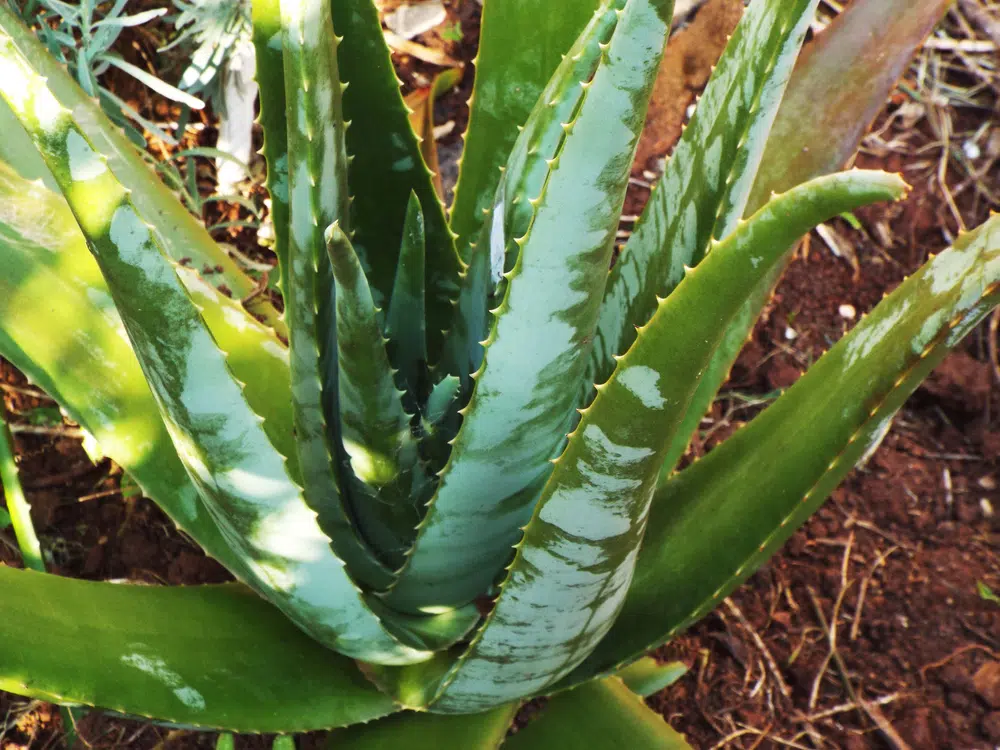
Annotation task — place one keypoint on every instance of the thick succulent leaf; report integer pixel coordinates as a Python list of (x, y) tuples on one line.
[(647, 676), (423, 731), (704, 189), (519, 50), (374, 427), (573, 566), (58, 325), (318, 189), (178, 232), (525, 174), (239, 474), (270, 75), (387, 167), (318, 193), (603, 715), (817, 129), (522, 405), (257, 358), (439, 422), (750, 494), (406, 324), (146, 651)]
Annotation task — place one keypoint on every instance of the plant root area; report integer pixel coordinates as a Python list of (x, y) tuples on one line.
[(873, 628)]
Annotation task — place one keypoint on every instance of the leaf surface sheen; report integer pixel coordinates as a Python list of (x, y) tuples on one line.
[(519, 51), (816, 131), (318, 199), (525, 175), (704, 188), (375, 428), (522, 407), (111, 646), (572, 569), (752, 492), (73, 345), (241, 477)]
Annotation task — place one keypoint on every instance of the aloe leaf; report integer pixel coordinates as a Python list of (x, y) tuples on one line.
[(257, 358), (318, 193), (239, 474), (704, 189), (406, 323), (58, 325), (387, 167), (522, 404), (751, 493), (439, 421), (603, 715), (801, 147), (179, 233), (519, 51), (571, 572), (374, 427), (270, 75), (647, 676), (525, 174), (114, 646), (442, 396), (318, 188), (19, 512), (423, 731)]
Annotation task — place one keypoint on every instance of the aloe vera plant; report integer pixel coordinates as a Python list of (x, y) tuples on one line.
[(453, 486)]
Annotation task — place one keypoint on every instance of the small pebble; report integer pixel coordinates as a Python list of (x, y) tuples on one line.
[(847, 312), (972, 150), (791, 334)]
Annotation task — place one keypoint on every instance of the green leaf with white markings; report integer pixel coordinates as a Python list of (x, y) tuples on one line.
[(109, 646), (751, 493), (509, 217), (519, 51), (800, 148), (573, 566), (241, 477), (74, 347), (374, 427), (318, 190), (318, 195), (522, 405), (386, 168), (704, 189)]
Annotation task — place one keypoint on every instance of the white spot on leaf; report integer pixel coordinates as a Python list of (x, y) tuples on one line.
[(84, 163), (643, 383)]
